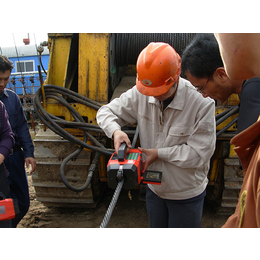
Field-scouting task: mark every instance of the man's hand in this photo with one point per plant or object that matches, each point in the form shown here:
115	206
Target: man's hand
119	138
151	156
1	158
30	161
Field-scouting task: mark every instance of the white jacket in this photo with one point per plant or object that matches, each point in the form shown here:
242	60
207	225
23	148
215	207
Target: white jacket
184	134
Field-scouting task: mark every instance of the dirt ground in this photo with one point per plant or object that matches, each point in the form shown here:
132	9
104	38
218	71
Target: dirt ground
130	212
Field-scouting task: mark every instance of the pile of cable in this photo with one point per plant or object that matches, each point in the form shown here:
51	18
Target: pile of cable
57	124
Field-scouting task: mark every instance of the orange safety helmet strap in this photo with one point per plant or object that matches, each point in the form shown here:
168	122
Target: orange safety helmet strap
158	69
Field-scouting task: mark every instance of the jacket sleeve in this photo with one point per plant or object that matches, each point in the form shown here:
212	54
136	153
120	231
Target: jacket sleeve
200	145
118	113
6	136
23	133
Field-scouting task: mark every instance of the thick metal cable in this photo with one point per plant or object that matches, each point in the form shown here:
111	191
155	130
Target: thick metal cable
112	204
129	45
118	190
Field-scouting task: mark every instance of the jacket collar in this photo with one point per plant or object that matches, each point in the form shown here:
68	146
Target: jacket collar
4	92
178	101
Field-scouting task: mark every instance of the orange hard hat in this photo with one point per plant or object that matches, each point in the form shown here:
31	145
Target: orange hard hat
158	68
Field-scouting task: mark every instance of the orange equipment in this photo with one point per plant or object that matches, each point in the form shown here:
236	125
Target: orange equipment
8	208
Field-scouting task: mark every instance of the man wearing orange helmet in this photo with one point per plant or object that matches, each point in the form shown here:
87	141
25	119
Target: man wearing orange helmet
177	135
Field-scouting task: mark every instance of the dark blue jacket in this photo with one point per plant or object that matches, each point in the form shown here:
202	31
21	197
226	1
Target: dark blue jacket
18	122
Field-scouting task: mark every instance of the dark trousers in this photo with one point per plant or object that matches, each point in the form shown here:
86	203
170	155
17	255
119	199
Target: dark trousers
164	213
4	188
18	184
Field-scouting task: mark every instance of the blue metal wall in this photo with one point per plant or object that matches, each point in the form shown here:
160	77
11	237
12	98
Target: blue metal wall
27	87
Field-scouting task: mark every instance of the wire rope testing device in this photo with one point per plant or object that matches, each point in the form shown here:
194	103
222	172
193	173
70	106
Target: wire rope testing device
129	166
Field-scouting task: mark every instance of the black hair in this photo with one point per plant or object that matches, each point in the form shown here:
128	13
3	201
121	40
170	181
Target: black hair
202	57
5	63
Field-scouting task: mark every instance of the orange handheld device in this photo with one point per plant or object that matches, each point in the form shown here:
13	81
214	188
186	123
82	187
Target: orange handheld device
8	208
130	167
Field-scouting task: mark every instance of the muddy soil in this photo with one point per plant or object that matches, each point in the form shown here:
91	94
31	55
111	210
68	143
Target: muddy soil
130	212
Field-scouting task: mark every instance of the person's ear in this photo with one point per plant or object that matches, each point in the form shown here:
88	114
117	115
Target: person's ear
221	74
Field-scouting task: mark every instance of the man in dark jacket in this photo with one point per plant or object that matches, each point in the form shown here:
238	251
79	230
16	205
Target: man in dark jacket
6	144
23	151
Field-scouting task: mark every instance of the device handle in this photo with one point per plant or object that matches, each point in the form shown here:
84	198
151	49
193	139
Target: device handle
121	152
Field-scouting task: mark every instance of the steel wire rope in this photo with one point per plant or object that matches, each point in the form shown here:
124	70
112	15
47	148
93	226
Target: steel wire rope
129	45
112	204
117	190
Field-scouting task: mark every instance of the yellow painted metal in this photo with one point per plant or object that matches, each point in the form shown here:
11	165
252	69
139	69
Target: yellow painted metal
92	71
61	111
94	66
59	57
233	100
213	173
219	110
93	77
232	153
102	168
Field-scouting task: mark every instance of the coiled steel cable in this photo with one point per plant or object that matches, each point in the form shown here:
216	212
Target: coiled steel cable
129	45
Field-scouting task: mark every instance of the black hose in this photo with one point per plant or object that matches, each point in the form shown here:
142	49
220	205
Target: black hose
90	172
230	112
56	125
223	113
226	127
52	122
